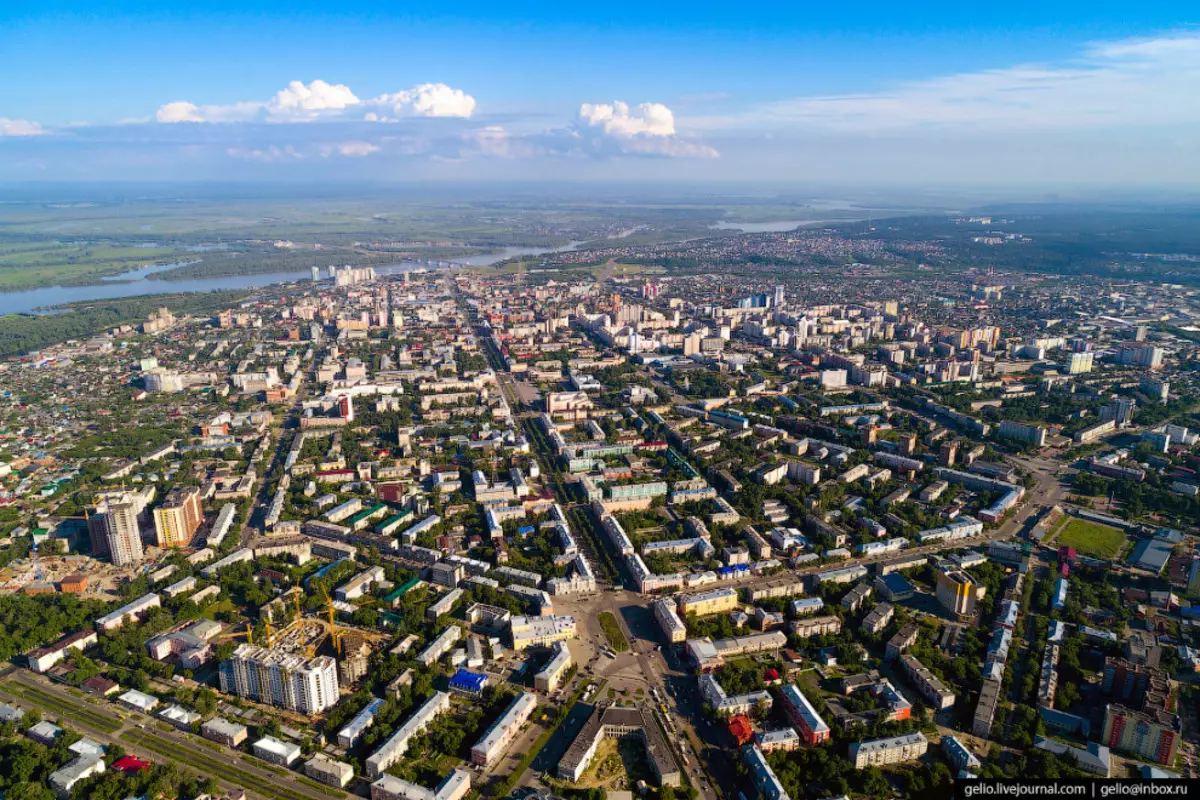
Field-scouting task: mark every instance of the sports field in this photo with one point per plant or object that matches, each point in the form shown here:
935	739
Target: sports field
1092	538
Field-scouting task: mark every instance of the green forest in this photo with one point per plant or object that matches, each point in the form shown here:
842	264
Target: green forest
21	334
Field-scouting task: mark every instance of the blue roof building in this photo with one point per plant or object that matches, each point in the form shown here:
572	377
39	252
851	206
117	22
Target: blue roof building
468	683
894	586
1060	594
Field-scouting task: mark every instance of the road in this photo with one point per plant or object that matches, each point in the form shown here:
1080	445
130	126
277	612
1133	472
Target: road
648	667
643	668
232	770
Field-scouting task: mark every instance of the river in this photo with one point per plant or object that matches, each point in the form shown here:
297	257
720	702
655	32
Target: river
782	226
138	282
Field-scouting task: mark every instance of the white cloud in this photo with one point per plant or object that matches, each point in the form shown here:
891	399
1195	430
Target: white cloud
301	102
1135	82
650	119
495	141
182	111
19	127
425	100
272	154
647	129
350	149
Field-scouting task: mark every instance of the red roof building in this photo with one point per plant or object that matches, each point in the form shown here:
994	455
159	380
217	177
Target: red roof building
741	729
130	765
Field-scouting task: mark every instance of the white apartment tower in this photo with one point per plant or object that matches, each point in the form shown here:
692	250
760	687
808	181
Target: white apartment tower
122	533
284	680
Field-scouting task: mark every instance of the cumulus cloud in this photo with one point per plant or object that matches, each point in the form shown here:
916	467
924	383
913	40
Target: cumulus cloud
303	102
19	127
300	100
425	100
647	129
650	119
1134	82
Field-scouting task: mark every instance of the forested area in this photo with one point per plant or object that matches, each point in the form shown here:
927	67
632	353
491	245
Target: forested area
261	259
26	333
29	622
25	767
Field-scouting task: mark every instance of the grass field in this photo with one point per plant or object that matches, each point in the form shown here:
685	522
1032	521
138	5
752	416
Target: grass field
49	263
1092	538
612	631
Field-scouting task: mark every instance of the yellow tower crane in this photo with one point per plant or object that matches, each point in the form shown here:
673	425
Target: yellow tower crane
248	634
331	612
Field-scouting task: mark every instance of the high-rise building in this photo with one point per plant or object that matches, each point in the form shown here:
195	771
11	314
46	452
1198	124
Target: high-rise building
832	378
1156	390
1142	355
1080	363
1151	734
178	518
948	453
779	297
957	592
122	534
98	532
1028	434
1120	411
635	342
281	679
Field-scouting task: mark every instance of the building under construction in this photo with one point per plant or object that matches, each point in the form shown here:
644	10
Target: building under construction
276	677
287	670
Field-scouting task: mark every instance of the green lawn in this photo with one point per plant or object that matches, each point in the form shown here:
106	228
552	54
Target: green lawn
612	631
1092	538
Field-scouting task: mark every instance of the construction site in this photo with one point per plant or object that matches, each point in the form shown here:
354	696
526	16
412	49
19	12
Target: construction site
285	635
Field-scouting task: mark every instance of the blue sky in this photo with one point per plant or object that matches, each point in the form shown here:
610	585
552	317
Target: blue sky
1041	93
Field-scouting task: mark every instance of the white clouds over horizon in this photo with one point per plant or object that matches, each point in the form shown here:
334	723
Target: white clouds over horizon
1132	82
19	127
599	130
647	129
301	102
1124	110
350	149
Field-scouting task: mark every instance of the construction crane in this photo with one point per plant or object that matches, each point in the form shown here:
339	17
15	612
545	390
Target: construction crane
37	562
310	649
248	634
334	634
